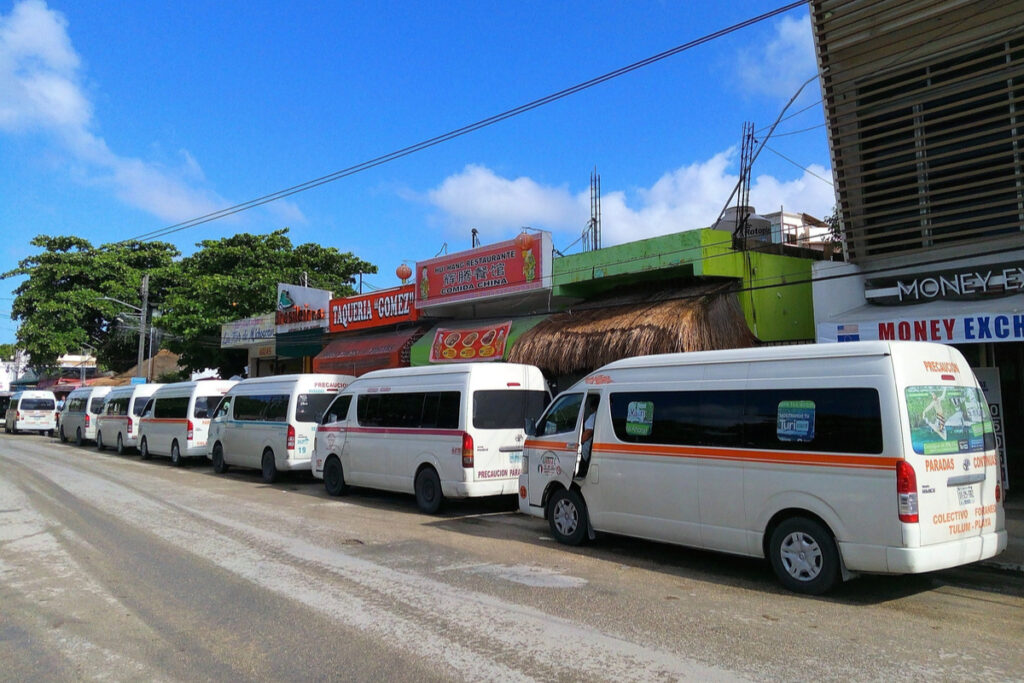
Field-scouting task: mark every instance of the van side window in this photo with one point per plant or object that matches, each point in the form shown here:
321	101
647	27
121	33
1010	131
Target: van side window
412	410
338	410
824	420
561	416
175	408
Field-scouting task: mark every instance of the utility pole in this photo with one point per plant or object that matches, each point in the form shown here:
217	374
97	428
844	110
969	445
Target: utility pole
139	372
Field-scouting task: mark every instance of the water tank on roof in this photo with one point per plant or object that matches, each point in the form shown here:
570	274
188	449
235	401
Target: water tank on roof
757	227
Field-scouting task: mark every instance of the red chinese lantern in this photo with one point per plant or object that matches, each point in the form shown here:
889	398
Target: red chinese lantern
524	241
403	272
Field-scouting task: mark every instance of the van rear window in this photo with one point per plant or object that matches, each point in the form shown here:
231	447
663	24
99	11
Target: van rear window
946	420
37	404
505	409
311	407
96	405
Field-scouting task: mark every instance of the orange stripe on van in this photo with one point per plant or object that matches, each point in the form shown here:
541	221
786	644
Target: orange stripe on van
868	462
560	446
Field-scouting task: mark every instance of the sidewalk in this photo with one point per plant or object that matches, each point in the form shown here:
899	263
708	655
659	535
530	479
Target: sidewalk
1012	559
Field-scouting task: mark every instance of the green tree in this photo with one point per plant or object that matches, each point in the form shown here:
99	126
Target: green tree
7	351
236	277
61	305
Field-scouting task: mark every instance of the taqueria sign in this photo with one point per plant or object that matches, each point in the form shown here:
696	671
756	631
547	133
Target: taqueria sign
385	307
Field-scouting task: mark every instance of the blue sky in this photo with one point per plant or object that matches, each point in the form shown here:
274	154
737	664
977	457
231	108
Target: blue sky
117	119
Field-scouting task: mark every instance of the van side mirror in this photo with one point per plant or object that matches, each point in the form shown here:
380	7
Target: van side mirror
530	427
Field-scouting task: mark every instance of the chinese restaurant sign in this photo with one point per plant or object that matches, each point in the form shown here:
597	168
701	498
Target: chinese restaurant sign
301	308
373	310
473	344
498	269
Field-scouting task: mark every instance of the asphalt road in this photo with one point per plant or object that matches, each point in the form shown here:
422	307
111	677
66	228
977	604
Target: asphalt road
117	569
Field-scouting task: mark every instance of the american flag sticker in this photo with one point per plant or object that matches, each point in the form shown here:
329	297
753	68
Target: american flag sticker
847	333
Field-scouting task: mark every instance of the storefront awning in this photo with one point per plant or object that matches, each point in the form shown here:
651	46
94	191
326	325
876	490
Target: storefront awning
457	341
359	354
951	322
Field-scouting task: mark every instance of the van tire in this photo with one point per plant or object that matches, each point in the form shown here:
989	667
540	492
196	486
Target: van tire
567	517
120	444
804	556
144	449
63	439
99	441
176	458
269	467
334	477
78	436
428	491
219	466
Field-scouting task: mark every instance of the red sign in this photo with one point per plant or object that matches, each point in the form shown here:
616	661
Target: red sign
504	268
466	345
373	310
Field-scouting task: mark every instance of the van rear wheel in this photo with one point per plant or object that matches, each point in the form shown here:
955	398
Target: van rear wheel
176	454
428	491
120	444
804	556
334	477
269	469
567	517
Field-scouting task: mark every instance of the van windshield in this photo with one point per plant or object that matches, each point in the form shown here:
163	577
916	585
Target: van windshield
311	407
504	409
946	419
37	404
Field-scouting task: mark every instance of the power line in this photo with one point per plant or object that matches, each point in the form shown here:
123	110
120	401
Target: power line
458	132
803	168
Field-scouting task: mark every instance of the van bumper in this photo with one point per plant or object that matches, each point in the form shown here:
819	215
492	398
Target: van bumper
945	555
476	489
294	464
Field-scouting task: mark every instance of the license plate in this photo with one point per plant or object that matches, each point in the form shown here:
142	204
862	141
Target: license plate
965	494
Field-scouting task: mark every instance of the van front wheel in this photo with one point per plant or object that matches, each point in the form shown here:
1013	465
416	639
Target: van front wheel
428	491
144	449
99	441
567	517
78	437
334	477
219	466
804	556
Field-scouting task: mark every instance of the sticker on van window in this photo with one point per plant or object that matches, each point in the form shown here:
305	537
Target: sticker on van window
795	421
947	420
639	418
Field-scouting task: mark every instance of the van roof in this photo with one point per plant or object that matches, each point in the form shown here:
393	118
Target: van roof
431	370
132	389
213	384
766	353
292	378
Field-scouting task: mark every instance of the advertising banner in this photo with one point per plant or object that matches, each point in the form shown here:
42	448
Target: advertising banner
949	329
247	332
301	308
518	265
473	344
385	307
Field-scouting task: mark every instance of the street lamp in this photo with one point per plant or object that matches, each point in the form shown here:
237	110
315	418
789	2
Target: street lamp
142	319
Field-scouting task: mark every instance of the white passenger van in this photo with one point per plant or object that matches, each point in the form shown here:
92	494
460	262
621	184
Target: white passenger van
269	423
176	419
31	411
119	421
828	459
78	417
444	431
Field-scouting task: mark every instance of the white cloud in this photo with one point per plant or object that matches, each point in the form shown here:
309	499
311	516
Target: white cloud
41	90
779	66
687	198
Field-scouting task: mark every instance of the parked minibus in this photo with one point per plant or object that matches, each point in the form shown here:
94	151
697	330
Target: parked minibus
176	419
81	409
5	400
269	423
31	411
828	459
119	422
439	432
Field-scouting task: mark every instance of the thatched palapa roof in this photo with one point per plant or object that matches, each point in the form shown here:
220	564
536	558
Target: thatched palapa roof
698	318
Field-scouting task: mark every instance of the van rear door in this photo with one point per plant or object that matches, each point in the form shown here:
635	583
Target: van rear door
950	446
497	419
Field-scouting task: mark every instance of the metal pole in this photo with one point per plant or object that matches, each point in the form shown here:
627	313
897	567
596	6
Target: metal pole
142	325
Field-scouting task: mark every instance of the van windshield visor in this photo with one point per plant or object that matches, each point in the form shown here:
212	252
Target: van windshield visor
311	407
37	404
504	409
949	420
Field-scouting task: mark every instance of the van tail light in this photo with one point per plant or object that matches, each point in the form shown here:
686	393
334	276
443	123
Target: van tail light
906	491
129	425
290	443
17	415
467	450
191	431
999	492
87	420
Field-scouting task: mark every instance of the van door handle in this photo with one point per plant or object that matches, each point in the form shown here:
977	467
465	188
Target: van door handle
965	479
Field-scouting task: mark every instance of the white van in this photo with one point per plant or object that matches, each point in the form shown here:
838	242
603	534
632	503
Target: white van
118	423
269	423
31	411
176	419
443	431
78	417
827	459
